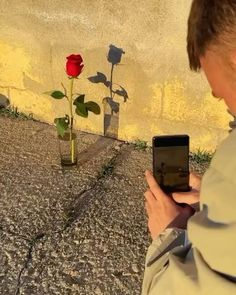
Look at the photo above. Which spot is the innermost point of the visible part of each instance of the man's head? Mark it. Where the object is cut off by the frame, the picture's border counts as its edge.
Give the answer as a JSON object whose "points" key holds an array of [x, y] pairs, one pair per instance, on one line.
{"points": [[211, 45]]}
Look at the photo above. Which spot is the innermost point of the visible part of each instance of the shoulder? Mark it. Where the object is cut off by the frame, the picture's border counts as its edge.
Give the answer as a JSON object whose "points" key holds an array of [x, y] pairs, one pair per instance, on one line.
{"points": [[225, 155], [218, 187]]}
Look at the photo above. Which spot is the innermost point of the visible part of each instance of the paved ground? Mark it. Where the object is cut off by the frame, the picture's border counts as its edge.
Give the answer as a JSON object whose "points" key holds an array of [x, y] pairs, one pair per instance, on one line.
{"points": [[78, 231]]}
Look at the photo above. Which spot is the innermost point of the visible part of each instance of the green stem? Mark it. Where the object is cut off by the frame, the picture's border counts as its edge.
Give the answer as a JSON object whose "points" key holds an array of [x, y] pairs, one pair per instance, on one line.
{"points": [[72, 147]]}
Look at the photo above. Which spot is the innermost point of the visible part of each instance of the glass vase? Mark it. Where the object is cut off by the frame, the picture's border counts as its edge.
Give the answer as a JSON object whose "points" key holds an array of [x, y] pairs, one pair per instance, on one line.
{"points": [[68, 148]]}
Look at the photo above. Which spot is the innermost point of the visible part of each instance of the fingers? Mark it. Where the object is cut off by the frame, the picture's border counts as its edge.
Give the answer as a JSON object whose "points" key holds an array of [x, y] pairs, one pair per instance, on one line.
{"points": [[153, 185], [148, 208], [150, 198]]}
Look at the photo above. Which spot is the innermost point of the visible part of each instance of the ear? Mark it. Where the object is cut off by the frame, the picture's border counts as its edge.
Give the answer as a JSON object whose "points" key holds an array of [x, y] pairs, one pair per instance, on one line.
{"points": [[201, 60], [233, 58]]}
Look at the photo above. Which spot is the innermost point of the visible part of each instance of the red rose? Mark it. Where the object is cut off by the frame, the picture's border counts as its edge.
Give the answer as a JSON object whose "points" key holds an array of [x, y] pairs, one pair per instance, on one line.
{"points": [[74, 65]]}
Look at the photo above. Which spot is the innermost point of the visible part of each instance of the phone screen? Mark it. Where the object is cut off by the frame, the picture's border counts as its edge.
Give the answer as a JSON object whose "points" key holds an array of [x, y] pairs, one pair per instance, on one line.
{"points": [[171, 163]]}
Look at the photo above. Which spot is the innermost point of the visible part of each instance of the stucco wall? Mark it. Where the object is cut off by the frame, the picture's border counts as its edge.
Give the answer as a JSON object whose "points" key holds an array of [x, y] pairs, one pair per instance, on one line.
{"points": [[164, 96]]}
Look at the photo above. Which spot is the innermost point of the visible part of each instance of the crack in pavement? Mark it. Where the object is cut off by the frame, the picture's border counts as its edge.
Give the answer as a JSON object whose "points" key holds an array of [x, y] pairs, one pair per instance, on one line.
{"points": [[81, 200], [28, 258]]}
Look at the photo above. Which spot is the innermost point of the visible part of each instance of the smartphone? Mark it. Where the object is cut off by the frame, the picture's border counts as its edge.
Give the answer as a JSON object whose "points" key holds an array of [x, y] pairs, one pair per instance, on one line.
{"points": [[171, 162]]}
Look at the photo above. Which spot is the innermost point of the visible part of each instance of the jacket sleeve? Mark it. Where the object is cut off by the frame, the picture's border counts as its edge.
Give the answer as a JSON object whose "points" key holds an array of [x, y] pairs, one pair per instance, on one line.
{"points": [[157, 255]]}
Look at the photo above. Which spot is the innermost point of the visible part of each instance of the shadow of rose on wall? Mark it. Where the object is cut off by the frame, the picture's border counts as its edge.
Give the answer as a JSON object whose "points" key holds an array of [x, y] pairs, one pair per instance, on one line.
{"points": [[111, 107]]}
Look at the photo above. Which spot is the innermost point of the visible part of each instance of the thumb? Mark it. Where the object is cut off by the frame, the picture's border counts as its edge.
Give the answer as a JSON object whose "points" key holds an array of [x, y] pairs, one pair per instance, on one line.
{"points": [[186, 197]]}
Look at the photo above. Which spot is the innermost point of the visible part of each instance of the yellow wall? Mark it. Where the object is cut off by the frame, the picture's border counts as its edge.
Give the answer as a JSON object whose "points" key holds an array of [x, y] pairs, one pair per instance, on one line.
{"points": [[164, 96]]}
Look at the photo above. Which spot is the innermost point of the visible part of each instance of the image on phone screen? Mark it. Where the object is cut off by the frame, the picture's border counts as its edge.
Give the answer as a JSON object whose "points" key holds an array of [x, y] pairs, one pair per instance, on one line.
{"points": [[171, 165]]}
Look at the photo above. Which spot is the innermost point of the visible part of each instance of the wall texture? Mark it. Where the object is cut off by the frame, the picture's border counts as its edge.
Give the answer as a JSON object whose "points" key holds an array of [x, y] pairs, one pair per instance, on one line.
{"points": [[164, 96]]}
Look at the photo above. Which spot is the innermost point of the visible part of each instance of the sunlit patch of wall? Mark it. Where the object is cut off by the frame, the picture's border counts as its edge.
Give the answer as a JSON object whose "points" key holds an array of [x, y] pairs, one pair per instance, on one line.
{"points": [[164, 96]]}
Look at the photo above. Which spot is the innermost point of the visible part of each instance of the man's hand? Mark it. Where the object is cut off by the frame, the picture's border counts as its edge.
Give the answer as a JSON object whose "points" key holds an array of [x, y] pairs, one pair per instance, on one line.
{"points": [[192, 197], [162, 211]]}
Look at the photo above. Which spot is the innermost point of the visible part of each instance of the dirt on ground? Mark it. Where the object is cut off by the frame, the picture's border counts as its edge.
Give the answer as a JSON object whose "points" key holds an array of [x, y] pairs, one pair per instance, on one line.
{"points": [[70, 231]]}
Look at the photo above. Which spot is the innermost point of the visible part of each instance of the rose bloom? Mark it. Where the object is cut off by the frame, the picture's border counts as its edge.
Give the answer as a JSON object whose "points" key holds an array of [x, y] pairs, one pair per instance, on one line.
{"points": [[74, 65]]}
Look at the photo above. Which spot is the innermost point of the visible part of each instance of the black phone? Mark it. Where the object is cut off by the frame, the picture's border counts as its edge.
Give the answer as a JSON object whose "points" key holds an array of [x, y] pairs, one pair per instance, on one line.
{"points": [[171, 162]]}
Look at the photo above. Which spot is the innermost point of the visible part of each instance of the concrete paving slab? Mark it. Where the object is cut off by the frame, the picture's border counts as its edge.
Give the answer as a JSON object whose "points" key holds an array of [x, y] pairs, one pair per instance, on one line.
{"points": [[70, 231]]}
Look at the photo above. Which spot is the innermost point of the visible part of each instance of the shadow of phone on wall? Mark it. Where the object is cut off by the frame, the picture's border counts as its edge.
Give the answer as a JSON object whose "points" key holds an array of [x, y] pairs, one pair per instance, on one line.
{"points": [[111, 106]]}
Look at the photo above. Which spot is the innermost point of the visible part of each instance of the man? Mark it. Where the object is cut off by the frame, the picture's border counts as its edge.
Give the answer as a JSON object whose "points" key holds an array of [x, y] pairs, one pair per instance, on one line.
{"points": [[206, 264]]}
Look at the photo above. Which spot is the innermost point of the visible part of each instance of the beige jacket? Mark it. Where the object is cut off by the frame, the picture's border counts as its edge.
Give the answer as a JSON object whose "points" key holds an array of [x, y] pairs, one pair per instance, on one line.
{"points": [[207, 265]]}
